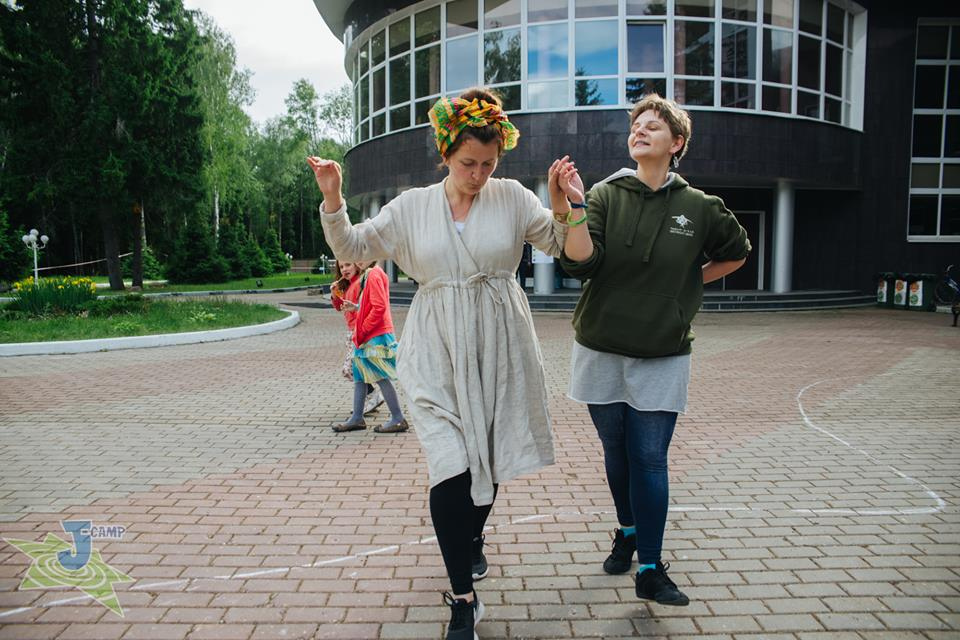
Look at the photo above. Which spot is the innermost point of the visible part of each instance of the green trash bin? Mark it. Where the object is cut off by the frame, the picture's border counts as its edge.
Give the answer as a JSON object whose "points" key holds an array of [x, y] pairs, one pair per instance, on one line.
{"points": [[920, 297], [885, 282], [901, 286]]}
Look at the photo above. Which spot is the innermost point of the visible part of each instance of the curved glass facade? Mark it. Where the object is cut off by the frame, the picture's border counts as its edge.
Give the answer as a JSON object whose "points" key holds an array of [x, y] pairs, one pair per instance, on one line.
{"points": [[791, 58]]}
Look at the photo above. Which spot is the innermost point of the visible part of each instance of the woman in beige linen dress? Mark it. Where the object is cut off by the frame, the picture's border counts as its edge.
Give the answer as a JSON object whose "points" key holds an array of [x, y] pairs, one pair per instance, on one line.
{"points": [[469, 360]]}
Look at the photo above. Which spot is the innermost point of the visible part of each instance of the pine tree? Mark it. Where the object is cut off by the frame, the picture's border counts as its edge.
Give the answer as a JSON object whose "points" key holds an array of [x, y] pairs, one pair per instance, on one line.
{"points": [[260, 265], [195, 258], [14, 256], [271, 247], [231, 247]]}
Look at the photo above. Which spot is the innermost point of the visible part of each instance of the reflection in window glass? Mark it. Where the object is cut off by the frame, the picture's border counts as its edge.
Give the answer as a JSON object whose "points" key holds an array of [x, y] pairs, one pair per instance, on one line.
{"points": [[808, 63], [950, 215], [509, 96], [951, 140], [421, 111], [501, 56], [461, 17], [955, 44], [928, 87], [808, 104], [811, 16], [778, 99], [832, 110], [738, 95], [925, 176], [461, 63], [646, 7], [738, 51], [363, 58], [595, 92], [596, 48], [927, 135], [400, 118], [694, 48], [953, 91], [379, 89], [645, 48], [923, 216], [951, 176], [595, 8], [835, 17], [693, 92], [399, 80], [378, 48], [427, 78], [833, 80], [379, 124], [932, 42], [546, 95], [500, 13], [696, 8], [364, 131], [542, 10], [740, 10], [778, 13], [777, 59], [364, 97], [547, 51], [399, 37], [639, 87], [427, 27]]}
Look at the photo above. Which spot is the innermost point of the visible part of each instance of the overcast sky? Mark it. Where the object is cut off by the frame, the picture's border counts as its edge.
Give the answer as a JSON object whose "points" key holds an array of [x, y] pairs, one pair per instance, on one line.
{"points": [[280, 41]]}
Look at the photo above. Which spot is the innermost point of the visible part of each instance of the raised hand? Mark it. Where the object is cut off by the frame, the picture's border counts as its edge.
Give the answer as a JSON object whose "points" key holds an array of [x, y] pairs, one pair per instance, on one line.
{"points": [[568, 179], [330, 180]]}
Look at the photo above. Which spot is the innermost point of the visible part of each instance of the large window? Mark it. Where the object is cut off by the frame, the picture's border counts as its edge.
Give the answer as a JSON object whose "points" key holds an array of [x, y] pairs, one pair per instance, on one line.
{"points": [[934, 212], [795, 58]]}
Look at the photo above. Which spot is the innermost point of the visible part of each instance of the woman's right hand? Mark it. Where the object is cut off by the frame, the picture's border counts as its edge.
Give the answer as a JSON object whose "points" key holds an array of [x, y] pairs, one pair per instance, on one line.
{"points": [[330, 180]]}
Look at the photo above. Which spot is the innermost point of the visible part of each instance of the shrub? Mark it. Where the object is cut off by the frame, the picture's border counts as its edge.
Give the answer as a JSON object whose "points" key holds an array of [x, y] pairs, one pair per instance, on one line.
{"points": [[14, 255], [133, 303], [271, 247], [152, 269], [62, 294], [195, 258], [260, 266], [231, 247]]}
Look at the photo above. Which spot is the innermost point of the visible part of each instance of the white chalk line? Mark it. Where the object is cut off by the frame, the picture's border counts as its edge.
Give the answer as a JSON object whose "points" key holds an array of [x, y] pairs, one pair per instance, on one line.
{"points": [[940, 505]]}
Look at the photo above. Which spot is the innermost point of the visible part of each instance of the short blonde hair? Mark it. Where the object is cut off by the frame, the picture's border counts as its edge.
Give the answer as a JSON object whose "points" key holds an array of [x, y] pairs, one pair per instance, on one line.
{"points": [[676, 118]]}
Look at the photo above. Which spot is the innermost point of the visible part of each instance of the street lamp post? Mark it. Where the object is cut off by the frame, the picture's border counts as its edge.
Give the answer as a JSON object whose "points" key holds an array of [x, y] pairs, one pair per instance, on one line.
{"points": [[31, 241]]}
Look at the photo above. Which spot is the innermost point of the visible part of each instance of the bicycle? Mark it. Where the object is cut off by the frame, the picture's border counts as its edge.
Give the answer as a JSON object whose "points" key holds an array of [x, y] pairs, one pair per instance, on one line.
{"points": [[947, 292]]}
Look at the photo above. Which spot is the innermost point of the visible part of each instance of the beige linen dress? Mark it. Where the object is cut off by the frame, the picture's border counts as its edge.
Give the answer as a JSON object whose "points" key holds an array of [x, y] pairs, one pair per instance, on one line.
{"points": [[469, 360]]}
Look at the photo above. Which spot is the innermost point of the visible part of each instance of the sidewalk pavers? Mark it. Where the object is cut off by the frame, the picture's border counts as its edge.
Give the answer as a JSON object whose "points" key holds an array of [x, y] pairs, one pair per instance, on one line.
{"points": [[814, 492]]}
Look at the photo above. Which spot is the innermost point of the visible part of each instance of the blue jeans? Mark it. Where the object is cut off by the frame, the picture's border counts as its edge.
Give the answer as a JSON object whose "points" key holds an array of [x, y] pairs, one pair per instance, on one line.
{"points": [[635, 445]]}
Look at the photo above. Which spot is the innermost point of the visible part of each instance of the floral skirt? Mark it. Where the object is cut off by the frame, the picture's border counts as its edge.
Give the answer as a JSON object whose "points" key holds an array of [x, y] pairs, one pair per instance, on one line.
{"points": [[346, 370], [376, 359]]}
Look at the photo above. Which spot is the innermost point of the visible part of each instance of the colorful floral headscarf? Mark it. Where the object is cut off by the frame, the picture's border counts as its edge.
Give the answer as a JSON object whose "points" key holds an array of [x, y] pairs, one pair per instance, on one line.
{"points": [[450, 116]]}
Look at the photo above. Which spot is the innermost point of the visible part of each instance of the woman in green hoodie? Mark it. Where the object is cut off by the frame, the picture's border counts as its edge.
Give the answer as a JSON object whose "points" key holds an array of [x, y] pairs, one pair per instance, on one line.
{"points": [[631, 360]]}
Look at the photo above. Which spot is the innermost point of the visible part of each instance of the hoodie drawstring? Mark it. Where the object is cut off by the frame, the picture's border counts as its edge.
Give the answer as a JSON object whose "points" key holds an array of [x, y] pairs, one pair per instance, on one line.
{"points": [[636, 221], [655, 230]]}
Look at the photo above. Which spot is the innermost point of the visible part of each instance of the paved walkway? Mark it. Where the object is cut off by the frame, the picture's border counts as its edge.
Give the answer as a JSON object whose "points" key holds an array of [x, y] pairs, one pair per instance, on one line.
{"points": [[815, 492]]}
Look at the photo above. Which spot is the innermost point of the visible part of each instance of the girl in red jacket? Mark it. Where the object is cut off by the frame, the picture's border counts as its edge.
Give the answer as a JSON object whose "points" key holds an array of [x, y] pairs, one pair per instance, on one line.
{"points": [[375, 349]]}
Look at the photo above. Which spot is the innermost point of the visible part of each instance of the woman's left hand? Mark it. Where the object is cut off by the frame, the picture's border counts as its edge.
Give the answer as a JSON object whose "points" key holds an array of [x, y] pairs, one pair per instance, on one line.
{"points": [[568, 179]]}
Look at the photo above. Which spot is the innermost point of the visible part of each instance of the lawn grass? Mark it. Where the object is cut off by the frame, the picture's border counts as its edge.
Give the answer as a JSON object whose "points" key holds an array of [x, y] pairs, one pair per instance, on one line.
{"points": [[269, 282], [160, 316]]}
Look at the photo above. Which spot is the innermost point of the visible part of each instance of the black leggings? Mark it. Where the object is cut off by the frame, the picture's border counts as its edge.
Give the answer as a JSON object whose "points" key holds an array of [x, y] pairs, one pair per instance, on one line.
{"points": [[457, 522]]}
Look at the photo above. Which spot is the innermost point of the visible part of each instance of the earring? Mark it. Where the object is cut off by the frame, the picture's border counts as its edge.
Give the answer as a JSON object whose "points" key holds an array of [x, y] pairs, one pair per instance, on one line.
{"points": [[675, 161]]}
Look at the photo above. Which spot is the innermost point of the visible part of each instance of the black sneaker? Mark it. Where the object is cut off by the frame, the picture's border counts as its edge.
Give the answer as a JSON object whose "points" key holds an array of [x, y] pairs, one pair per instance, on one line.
{"points": [[621, 556], [464, 616], [479, 560], [654, 584]]}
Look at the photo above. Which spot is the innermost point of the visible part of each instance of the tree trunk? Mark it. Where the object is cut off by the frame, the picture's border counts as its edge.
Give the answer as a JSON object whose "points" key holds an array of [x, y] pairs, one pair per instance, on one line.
{"points": [[111, 247], [138, 245], [216, 213]]}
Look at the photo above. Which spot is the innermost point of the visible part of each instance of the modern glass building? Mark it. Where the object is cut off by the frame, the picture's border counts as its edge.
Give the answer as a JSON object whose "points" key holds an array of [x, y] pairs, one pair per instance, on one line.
{"points": [[831, 127]]}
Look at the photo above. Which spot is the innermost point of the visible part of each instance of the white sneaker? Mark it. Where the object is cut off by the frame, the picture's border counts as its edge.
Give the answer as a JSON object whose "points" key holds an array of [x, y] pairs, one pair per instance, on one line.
{"points": [[373, 401]]}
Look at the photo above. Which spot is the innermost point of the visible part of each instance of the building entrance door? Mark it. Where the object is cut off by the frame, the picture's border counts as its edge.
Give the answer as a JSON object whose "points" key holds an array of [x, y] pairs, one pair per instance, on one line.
{"points": [[749, 277]]}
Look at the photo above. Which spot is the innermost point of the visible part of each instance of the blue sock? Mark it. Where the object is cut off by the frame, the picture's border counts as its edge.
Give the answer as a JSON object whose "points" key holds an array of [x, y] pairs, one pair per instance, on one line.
{"points": [[643, 567], [628, 531]]}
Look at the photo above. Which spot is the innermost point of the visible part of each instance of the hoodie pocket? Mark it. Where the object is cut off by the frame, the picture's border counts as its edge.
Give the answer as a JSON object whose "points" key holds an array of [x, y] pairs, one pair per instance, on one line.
{"points": [[633, 323]]}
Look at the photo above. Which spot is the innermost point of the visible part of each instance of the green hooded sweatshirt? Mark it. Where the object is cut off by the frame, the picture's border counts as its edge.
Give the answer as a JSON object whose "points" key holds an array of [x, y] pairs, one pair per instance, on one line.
{"points": [[644, 282]]}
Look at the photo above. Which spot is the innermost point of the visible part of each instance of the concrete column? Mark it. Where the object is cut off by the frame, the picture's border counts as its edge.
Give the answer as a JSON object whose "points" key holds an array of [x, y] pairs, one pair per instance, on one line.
{"points": [[542, 262], [783, 204]]}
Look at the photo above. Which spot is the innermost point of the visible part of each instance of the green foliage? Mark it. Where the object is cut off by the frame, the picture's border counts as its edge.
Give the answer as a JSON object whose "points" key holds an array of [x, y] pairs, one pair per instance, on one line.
{"points": [[230, 244], [271, 247], [195, 257], [152, 269], [127, 304], [59, 295], [260, 265], [14, 255]]}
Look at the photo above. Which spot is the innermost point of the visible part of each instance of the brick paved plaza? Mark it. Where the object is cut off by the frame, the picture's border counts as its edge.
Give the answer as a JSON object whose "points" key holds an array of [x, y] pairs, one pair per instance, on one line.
{"points": [[816, 484]]}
